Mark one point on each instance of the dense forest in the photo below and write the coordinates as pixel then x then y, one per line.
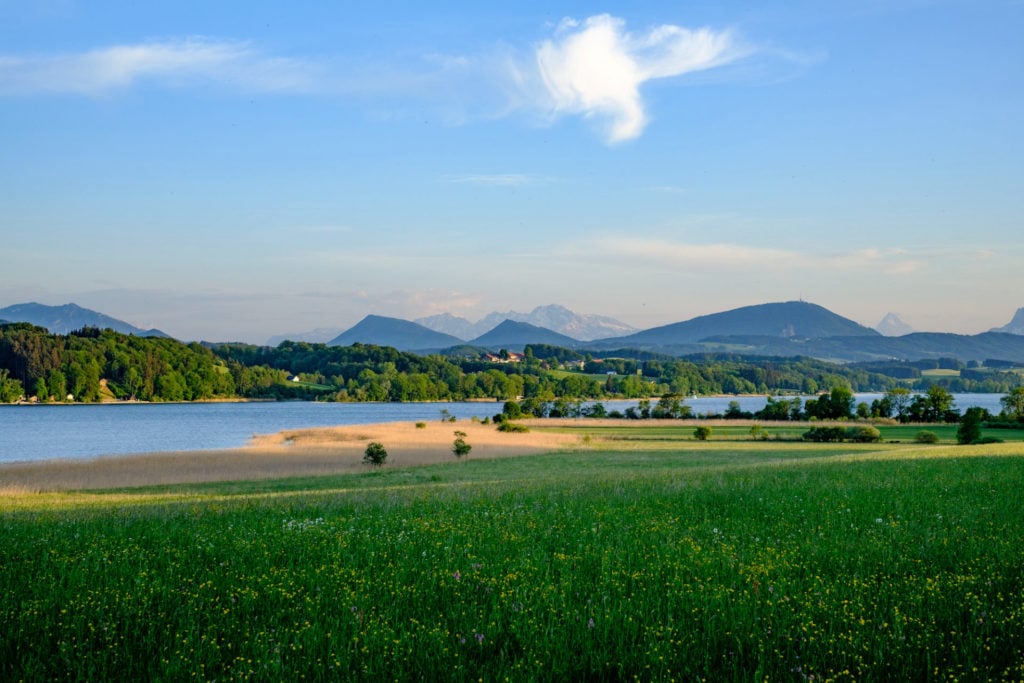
pixel 91 365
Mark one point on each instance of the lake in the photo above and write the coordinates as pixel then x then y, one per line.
pixel 40 432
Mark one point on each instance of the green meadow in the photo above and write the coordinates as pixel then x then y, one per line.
pixel 642 555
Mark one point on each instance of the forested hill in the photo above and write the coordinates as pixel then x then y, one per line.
pixel 92 364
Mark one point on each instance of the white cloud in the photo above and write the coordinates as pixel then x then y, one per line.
pixel 175 61
pixel 595 68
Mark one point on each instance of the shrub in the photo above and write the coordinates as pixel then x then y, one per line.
pixel 925 436
pixel 459 446
pixel 375 454
pixel 421 425
pixel 702 433
pixel 825 434
pixel 512 427
pixel 863 434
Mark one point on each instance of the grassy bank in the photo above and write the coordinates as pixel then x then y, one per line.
pixel 651 559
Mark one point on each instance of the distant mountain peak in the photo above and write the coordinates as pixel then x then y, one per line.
pixel 785 320
pixel 578 326
pixel 69 317
pixel 394 332
pixel 893 326
pixel 320 335
pixel 514 335
pixel 1015 326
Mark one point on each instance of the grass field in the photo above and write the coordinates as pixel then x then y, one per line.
pixel 639 556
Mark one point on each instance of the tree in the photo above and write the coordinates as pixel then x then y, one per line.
pixel 512 410
pixel 57 385
pixel 899 400
pixel 375 454
pixel 940 404
pixel 969 430
pixel 1013 403
pixel 10 388
pixel 841 401
pixel 671 406
pixel 702 433
pixel 40 390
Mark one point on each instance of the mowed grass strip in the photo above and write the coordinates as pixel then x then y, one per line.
pixel 717 561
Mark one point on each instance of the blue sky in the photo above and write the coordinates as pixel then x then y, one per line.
pixel 237 170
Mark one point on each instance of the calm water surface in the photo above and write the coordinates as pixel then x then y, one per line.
pixel 87 431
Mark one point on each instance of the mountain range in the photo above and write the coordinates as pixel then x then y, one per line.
pixel 579 326
pixel 793 328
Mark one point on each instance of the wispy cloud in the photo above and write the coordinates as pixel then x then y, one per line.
pixel 695 257
pixel 595 68
pixel 494 179
pixel 174 62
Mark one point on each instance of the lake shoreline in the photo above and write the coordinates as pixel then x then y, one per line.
pixel 291 453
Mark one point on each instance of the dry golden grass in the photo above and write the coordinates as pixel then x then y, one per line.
pixel 291 453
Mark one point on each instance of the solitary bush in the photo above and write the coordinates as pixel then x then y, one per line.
pixel 863 434
pixel 925 436
pixel 421 425
pixel 375 454
pixel 702 433
pixel 459 446
pixel 512 427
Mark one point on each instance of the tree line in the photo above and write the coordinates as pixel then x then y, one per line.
pixel 90 365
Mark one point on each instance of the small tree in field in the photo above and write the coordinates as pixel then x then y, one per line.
pixel 375 454
pixel 459 446
pixel 969 430
pixel 702 433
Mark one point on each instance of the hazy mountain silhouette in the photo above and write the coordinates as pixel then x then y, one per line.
pixel 893 326
pixel 514 336
pixel 789 320
pixel 70 317
pixel 1015 326
pixel 400 334
pixel 580 326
